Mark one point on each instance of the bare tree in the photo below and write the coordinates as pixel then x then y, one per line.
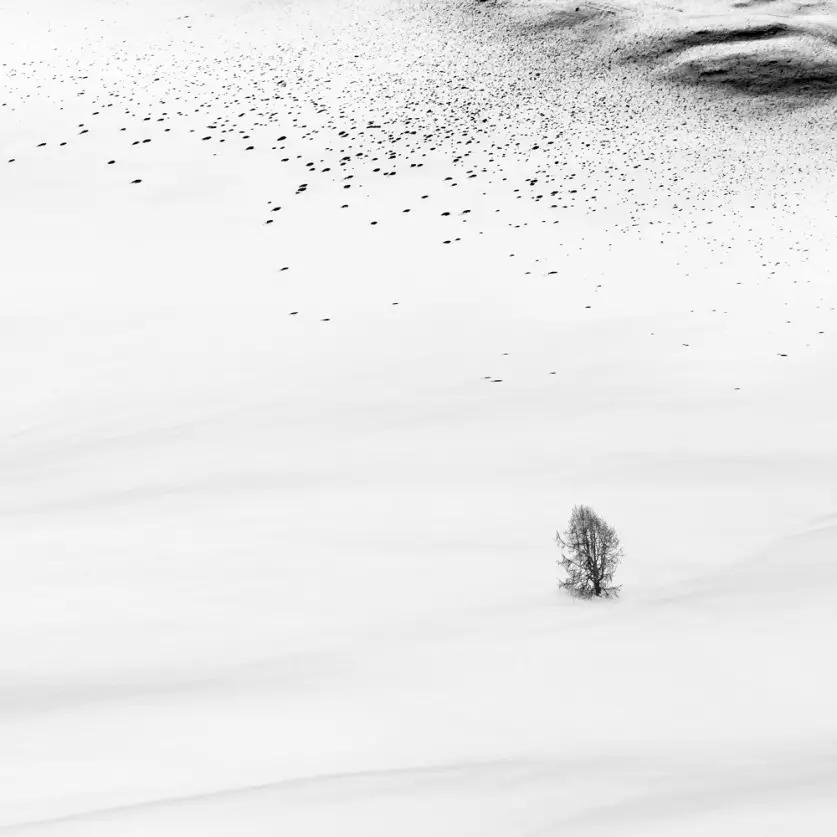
pixel 590 554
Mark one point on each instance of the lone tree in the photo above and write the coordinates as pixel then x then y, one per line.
pixel 590 554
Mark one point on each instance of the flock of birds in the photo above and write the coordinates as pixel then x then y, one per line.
pixel 508 104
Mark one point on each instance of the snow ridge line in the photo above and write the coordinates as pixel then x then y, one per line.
pixel 427 771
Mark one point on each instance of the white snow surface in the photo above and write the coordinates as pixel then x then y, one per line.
pixel 268 573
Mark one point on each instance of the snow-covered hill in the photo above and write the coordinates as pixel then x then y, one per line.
pixel 317 319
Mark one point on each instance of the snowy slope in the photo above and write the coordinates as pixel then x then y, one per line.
pixel 265 571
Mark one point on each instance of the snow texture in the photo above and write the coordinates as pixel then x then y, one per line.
pixel 317 319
